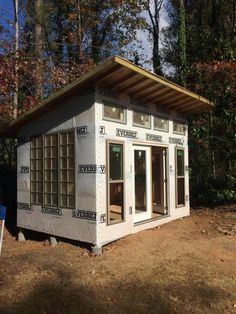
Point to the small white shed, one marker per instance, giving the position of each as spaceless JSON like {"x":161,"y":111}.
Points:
{"x":106,"y":156}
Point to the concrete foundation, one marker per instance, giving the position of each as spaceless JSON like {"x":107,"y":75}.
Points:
{"x":21,"y":236}
{"x":53,"y":241}
{"x":97,"y":250}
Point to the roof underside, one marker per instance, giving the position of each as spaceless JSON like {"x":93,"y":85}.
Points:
{"x":122,"y":76}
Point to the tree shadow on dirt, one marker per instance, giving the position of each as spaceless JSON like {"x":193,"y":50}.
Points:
{"x":67,"y":294}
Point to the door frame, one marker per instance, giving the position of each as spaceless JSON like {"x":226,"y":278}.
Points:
{"x":147,"y":214}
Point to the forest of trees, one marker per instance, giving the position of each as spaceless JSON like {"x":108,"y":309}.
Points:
{"x":46,"y":44}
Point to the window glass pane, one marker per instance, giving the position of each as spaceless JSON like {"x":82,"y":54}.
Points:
{"x":47,"y":176}
{"x":116,"y":202}
{"x":54,"y":187}
{"x":54,"y":176}
{"x":47,"y":199}
{"x":39,"y":175}
{"x":116,"y":161}
{"x":63,"y":175}
{"x":54,"y":152}
{"x":63,"y":201}
{"x":33,"y":197}
{"x":70,"y":138}
{"x":180,"y":162}
{"x":180,"y":191}
{"x":54,"y":139}
{"x":71,"y":201}
{"x":71,"y":163}
{"x":63,"y":151}
{"x":70,"y":188}
{"x":141,"y":119}
{"x":70,"y":150}
{"x":71,"y":175}
{"x":33,"y":187}
{"x":33,"y":175}
{"x":33,"y":142}
{"x":140,"y":180}
{"x":39,"y":141}
{"x":40,"y":198}
{"x":54,"y":200}
{"x":114,"y":112}
{"x":63,"y":139}
{"x":47,"y":152}
{"x":63,"y":163}
{"x":63,"y":188}
{"x":33,"y":164}
{"x":38,"y":164}
{"x":39,"y":187}
{"x":161,"y":124}
{"x":178,"y":127}
{"x":47,"y":164}
{"x":39,"y":153}
{"x":33,"y":153}
{"x":54,"y":163}
{"x":47,"y":187}
{"x":47,"y":140}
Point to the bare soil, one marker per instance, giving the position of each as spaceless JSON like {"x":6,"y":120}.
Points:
{"x":186,"y":266}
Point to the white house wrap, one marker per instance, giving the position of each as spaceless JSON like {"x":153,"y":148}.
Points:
{"x":107,"y":156}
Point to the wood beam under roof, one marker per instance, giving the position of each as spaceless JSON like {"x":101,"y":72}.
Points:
{"x":171,"y":104}
{"x":156,"y":94}
{"x":163,"y":98}
{"x":122,"y":80}
{"x":145,"y":91}
{"x":132,"y":85}
{"x":117,"y":71}
{"x":191,"y":104}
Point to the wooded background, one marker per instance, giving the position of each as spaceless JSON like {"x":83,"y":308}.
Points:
{"x":46,"y":44}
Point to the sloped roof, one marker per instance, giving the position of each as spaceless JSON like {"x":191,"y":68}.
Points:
{"x":123,"y":76}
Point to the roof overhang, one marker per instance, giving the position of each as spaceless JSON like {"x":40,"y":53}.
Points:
{"x":122,"y":76}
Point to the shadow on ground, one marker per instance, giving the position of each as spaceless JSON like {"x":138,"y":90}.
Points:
{"x":68,"y":294}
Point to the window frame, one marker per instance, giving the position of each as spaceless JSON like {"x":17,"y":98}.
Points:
{"x":30,"y":172}
{"x":140,"y":125}
{"x":158,"y":129}
{"x":108,"y":142}
{"x":179,"y":177}
{"x":44,"y":193}
{"x":58,"y":168}
{"x":184,"y":127}
{"x":106,"y":103}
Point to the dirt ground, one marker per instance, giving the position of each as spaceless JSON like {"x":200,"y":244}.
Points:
{"x":186,"y":266}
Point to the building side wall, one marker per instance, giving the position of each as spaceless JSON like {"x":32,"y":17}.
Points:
{"x":107,"y":130}
{"x":76,"y":113}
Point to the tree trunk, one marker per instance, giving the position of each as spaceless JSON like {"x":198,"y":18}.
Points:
{"x":79,"y":30}
{"x":16,"y":9}
{"x":156,"y":54}
{"x":38,"y":47}
{"x":182,"y":44}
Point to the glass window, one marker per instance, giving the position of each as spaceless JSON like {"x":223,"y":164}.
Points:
{"x":67,"y":170}
{"x":161,"y":124}
{"x":116,"y":162}
{"x":178,"y":127}
{"x":141,"y":119}
{"x":50,"y":170}
{"x":180,"y":180}
{"x":36,"y":170}
{"x":115,"y":183}
{"x":44,"y":183}
{"x":113,"y":112}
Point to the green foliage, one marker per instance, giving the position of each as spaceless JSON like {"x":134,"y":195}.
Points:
{"x":213,"y":191}
{"x":210,"y":54}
